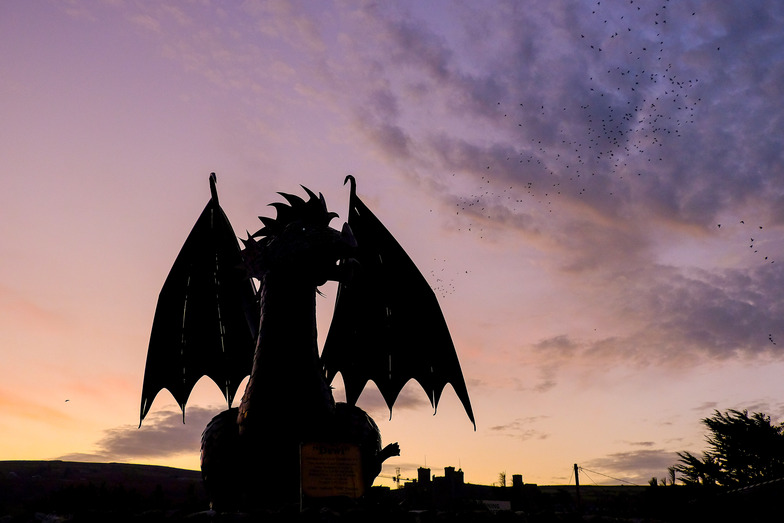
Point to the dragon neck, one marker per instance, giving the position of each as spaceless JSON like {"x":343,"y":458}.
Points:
{"x":286,"y":380}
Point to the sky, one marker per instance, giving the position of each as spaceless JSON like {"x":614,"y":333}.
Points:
{"x":594,"y":190}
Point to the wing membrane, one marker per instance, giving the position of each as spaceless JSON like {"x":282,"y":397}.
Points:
{"x":205,"y":320}
{"x":388,"y":326}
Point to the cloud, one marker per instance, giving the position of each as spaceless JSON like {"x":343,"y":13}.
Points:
{"x":722,"y":313}
{"x":146,"y":21}
{"x":706,"y":406}
{"x":636,"y":466}
{"x":545,"y":385}
{"x":87,"y":457}
{"x":656,"y":126}
{"x":521,"y":428}
{"x":390,"y":138}
{"x":674,"y":316}
{"x":625,"y":130}
{"x":162,"y":435}
{"x":717,"y":314}
{"x":649,"y":129}
{"x":560,"y":345}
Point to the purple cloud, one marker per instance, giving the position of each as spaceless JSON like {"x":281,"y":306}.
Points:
{"x":162,"y":435}
{"x":635,"y":466}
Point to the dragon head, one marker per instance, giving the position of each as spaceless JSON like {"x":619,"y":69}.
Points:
{"x":299,"y":242}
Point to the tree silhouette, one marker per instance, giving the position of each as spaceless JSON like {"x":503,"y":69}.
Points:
{"x":502,"y":479}
{"x":743,"y":450}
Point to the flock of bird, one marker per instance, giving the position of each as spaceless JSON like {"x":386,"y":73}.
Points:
{"x":441,"y":284}
{"x":614,"y":127}
{"x":754,"y":241}
{"x":613,"y":124}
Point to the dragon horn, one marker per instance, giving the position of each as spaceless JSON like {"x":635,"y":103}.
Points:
{"x":311,"y":195}
{"x":293,"y":199}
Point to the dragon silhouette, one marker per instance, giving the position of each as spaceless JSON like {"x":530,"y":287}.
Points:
{"x":387,"y":327}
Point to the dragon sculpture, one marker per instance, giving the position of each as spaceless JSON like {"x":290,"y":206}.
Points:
{"x":387,"y":327}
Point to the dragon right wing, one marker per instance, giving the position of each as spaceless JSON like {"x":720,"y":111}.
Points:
{"x":206,"y":319}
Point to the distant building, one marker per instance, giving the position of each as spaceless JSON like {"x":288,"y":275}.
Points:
{"x":451,"y":492}
{"x":424,"y":475}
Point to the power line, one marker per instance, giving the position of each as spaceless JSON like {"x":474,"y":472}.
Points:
{"x":606,"y":476}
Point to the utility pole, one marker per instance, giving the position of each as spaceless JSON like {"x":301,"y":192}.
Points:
{"x":577,"y":489}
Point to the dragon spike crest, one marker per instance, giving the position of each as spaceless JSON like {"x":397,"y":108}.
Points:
{"x":312,"y":211}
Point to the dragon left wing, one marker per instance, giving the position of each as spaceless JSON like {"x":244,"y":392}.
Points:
{"x":387,"y":326}
{"x":206,"y":319}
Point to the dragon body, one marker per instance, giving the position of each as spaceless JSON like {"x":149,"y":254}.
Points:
{"x":250,"y":455}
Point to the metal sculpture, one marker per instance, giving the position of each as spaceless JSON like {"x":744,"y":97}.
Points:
{"x":387,"y":327}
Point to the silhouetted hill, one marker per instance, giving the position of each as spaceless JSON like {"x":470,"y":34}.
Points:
{"x":71,"y":488}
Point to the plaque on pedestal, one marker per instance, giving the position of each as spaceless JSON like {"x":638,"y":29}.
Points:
{"x":331,"y":469}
